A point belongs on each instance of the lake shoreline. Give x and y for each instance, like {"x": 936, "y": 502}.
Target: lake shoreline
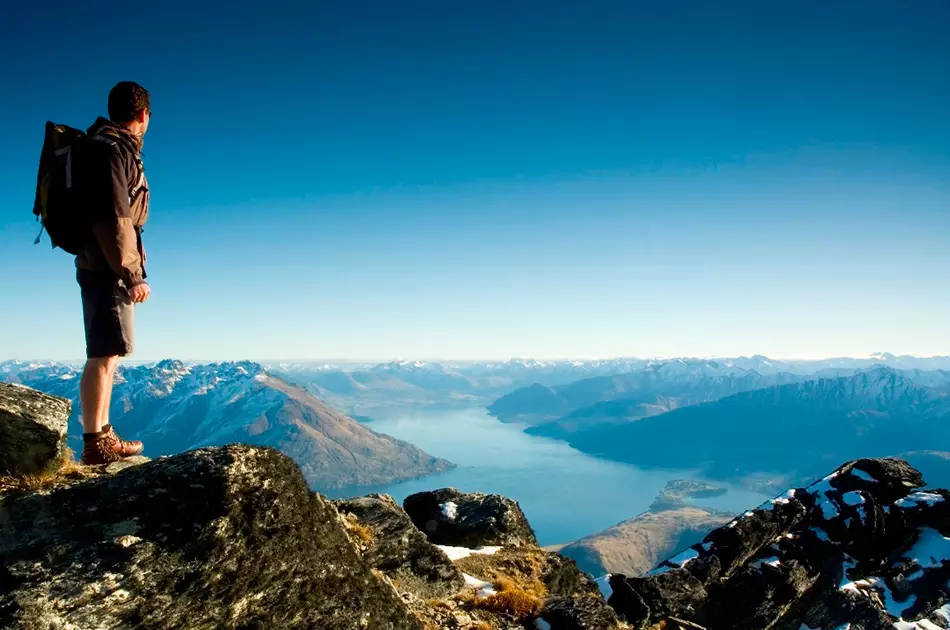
{"x": 566, "y": 494}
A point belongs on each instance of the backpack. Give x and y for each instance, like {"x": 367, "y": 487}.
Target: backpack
{"x": 56, "y": 203}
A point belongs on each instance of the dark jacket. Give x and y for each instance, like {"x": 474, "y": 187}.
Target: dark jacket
{"x": 114, "y": 192}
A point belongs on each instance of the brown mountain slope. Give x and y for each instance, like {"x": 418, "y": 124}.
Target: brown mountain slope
{"x": 636, "y": 545}
{"x": 333, "y": 450}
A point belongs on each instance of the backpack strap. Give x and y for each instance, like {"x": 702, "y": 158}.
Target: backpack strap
{"x": 139, "y": 182}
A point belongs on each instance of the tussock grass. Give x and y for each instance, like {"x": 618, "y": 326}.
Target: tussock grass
{"x": 60, "y": 472}
{"x": 522, "y": 601}
{"x": 516, "y": 601}
{"x": 357, "y": 530}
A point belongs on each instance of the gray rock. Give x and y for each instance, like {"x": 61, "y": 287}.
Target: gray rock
{"x": 579, "y": 613}
{"x": 227, "y": 537}
{"x": 838, "y": 609}
{"x": 450, "y": 517}
{"x": 136, "y": 460}
{"x": 675, "y": 592}
{"x": 562, "y": 577}
{"x": 400, "y": 550}
{"x": 32, "y": 429}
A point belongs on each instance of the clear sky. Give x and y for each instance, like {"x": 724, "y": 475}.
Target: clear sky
{"x": 490, "y": 179}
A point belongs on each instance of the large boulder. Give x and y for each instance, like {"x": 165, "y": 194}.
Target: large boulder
{"x": 578, "y": 613}
{"x": 227, "y": 537}
{"x": 451, "y": 517}
{"x": 392, "y": 544}
{"x": 32, "y": 429}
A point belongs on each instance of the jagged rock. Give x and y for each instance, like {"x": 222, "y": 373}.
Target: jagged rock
{"x": 836, "y": 609}
{"x": 888, "y": 478}
{"x": 741, "y": 539}
{"x": 227, "y": 537}
{"x": 450, "y": 517}
{"x": 32, "y": 429}
{"x": 857, "y": 547}
{"x": 562, "y": 578}
{"x": 671, "y": 593}
{"x": 398, "y": 549}
{"x": 629, "y": 604}
{"x": 579, "y": 613}
{"x": 756, "y": 596}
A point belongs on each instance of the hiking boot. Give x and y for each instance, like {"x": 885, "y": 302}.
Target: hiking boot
{"x": 108, "y": 447}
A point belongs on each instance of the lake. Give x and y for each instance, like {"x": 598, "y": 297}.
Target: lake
{"x": 565, "y": 494}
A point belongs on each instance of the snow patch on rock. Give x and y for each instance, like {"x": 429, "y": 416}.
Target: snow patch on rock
{"x": 457, "y": 553}
{"x": 930, "y": 498}
{"x": 852, "y": 498}
{"x": 484, "y": 589}
{"x": 450, "y": 509}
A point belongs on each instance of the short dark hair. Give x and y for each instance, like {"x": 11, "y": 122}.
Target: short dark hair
{"x": 126, "y": 100}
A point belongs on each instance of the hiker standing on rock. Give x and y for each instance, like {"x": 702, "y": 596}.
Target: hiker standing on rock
{"x": 113, "y": 194}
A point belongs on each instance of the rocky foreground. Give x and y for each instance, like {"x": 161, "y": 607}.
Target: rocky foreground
{"x": 232, "y": 537}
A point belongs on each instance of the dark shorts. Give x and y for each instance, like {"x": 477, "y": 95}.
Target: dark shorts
{"x": 108, "y": 314}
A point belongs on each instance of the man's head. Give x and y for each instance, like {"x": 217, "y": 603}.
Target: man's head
{"x": 130, "y": 106}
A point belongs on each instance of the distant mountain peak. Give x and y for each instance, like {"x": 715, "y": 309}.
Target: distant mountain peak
{"x": 173, "y": 406}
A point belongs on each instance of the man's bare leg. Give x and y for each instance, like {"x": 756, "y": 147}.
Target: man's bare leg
{"x": 104, "y": 418}
{"x": 95, "y": 392}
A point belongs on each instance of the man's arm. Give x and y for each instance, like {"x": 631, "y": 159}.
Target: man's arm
{"x": 113, "y": 226}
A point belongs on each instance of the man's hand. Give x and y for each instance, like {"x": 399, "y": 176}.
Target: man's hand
{"x": 139, "y": 293}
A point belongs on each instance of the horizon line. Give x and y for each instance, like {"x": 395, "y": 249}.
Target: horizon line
{"x": 556, "y": 359}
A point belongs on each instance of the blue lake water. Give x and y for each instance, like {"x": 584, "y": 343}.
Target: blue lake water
{"x": 565, "y": 493}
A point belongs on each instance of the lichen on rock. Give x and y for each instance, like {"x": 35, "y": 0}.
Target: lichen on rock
{"x": 32, "y": 429}
{"x": 227, "y": 537}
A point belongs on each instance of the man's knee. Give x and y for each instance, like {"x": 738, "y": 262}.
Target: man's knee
{"x": 102, "y": 364}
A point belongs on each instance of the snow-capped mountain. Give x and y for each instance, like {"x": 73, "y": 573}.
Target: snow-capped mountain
{"x": 656, "y": 388}
{"x": 364, "y": 388}
{"x": 840, "y": 365}
{"x": 175, "y": 407}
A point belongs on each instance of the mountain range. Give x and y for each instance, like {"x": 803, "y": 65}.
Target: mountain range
{"x": 786, "y": 431}
{"x": 682, "y": 413}
{"x": 655, "y": 389}
{"x": 362, "y": 389}
{"x": 367, "y": 389}
{"x": 174, "y": 407}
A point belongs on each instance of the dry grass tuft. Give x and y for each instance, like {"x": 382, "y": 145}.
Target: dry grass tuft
{"x": 510, "y": 598}
{"x": 359, "y": 531}
{"x": 516, "y": 601}
{"x": 533, "y": 587}
{"x": 519, "y": 567}
{"x": 61, "y": 472}
{"x": 468, "y": 599}
{"x": 483, "y": 625}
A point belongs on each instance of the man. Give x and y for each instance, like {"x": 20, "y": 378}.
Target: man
{"x": 111, "y": 268}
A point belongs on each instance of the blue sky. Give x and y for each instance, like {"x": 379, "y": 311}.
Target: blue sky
{"x": 465, "y": 180}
